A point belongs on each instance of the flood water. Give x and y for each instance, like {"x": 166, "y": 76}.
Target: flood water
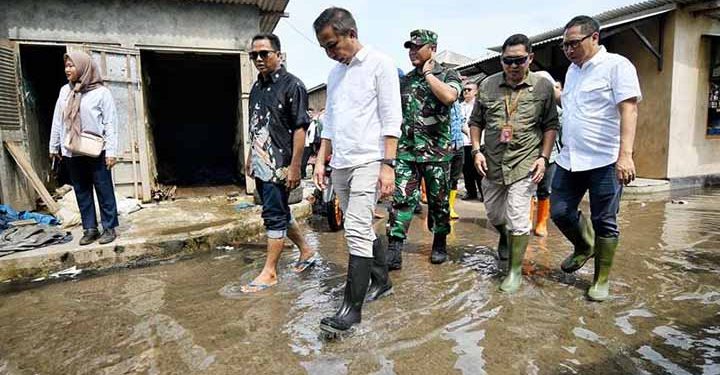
{"x": 186, "y": 317}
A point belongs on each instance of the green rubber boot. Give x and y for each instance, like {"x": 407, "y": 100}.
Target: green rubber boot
{"x": 604, "y": 253}
{"x": 502, "y": 247}
{"x": 582, "y": 238}
{"x": 517, "y": 244}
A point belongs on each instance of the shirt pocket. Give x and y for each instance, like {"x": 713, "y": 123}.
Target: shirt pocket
{"x": 528, "y": 114}
{"x": 595, "y": 96}
{"x": 494, "y": 114}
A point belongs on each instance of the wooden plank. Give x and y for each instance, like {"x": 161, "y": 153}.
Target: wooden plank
{"x": 22, "y": 223}
{"x": 22, "y": 160}
{"x": 132, "y": 125}
{"x": 247, "y": 74}
{"x": 142, "y": 129}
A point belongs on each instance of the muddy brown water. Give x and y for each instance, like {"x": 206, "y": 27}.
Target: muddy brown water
{"x": 186, "y": 317}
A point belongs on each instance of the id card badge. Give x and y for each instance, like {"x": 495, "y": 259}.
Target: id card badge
{"x": 506, "y": 134}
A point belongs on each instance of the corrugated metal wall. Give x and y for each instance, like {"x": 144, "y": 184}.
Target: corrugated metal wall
{"x": 9, "y": 108}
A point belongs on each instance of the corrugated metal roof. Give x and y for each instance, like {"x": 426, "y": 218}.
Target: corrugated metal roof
{"x": 272, "y": 10}
{"x": 616, "y": 15}
{"x": 480, "y": 60}
{"x": 610, "y": 18}
{"x": 316, "y": 88}
{"x": 264, "y": 5}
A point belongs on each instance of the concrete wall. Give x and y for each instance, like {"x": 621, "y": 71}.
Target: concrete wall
{"x": 651, "y": 140}
{"x": 691, "y": 153}
{"x": 174, "y": 23}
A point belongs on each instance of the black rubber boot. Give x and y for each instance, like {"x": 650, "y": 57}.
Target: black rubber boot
{"x": 503, "y": 247}
{"x": 380, "y": 284}
{"x": 582, "y": 236}
{"x": 394, "y": 253}
{"x": 89, "y": 236}
{"x": 358, "y": 278}
{"x": 439, "y": 249}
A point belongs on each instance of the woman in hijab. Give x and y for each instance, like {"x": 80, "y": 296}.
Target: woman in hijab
{"x": 86, "y": 106}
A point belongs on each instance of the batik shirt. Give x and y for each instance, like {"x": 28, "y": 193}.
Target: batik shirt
{"x": 278, "y": 107}
{"x": 426, "y": 134}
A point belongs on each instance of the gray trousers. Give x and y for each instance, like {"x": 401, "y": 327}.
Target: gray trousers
{"x": 357, "y": 190}
{"x": 509, "y": 204}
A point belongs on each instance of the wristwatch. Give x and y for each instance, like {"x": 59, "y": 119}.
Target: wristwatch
{"x": 390, "y": 163}
{"x": 547, "y": 160}
{"x": 475, "y": 152}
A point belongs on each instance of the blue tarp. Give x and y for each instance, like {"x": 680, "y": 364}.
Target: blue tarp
{"x": 8, "y": 215}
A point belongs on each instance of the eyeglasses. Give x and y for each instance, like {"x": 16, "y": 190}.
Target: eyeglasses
{"x": 515, "y": 60}
{"x": 572, "y": 44}
{"x": 263, "y": 54}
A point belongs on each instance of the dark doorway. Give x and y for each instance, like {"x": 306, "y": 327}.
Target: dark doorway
{"x": 43, "y": 74}
{"x": 193, "y": 111}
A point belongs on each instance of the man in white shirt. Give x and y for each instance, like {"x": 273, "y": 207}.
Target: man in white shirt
{"x": 599, "y": 117}
{"x": 308, "y": 150}
{"x": 361, "y": 130}
{"x": 471, "y": 176}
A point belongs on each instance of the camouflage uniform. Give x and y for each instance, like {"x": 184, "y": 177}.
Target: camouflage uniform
{"x": 424, "y": 149}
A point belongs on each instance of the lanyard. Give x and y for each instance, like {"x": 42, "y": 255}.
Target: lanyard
{"x": 511, "y": 109}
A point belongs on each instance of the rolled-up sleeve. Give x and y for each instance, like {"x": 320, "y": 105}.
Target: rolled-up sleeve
{"x": 56, "y": 127}
{"x": 110, "y": 124}
{"x": 477, "y": 116}
{"x": 453, "y": 80}
{"x": 550, "y": 120}
{"x": 625, "y": 82}
{"x": 389, "y": 104}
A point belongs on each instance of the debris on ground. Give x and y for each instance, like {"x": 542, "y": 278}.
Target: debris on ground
{"x": 31, "y": 237}
{"x": 61, "y": 191}
{"x": 69, "y": 272}
{"x": 243, "y": 206}
{"x": 9, "y": 217}
{"x": 163, "y": 193}
{"x": 69, "y": 213}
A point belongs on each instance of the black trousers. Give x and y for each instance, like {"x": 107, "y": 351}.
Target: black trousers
{"x": 471, "y": 176}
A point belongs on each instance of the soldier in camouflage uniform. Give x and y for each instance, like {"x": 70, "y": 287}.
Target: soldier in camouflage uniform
{"x": 424, "y": 150}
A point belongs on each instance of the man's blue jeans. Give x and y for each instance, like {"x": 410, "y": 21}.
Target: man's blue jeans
{"x": 276, "y": 212}
{"x": 568, "y": 189}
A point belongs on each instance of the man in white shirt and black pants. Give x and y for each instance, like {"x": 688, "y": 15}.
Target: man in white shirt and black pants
{"x": 361, "y": 130}
{"x": 599, "y": 118}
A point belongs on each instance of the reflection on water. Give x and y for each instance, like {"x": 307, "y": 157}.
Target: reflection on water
{"x": 188, "y": 317}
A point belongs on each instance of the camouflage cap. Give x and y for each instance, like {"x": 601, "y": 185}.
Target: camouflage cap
{"x": 421, "y": 37}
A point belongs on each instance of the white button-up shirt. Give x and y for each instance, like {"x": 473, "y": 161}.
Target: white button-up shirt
{"x": 591, "y": 119}
{"x": 467, "y": 111}
{"x": 363, "y": 106}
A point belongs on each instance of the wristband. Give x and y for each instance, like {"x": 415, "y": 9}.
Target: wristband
{"x": 474, "y": 152}
{"x": 547, "y": 160}
{"x": 425, "y": 74}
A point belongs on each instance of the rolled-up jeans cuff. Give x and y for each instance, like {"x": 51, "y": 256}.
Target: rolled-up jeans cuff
{"x": 275, "y": 234}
